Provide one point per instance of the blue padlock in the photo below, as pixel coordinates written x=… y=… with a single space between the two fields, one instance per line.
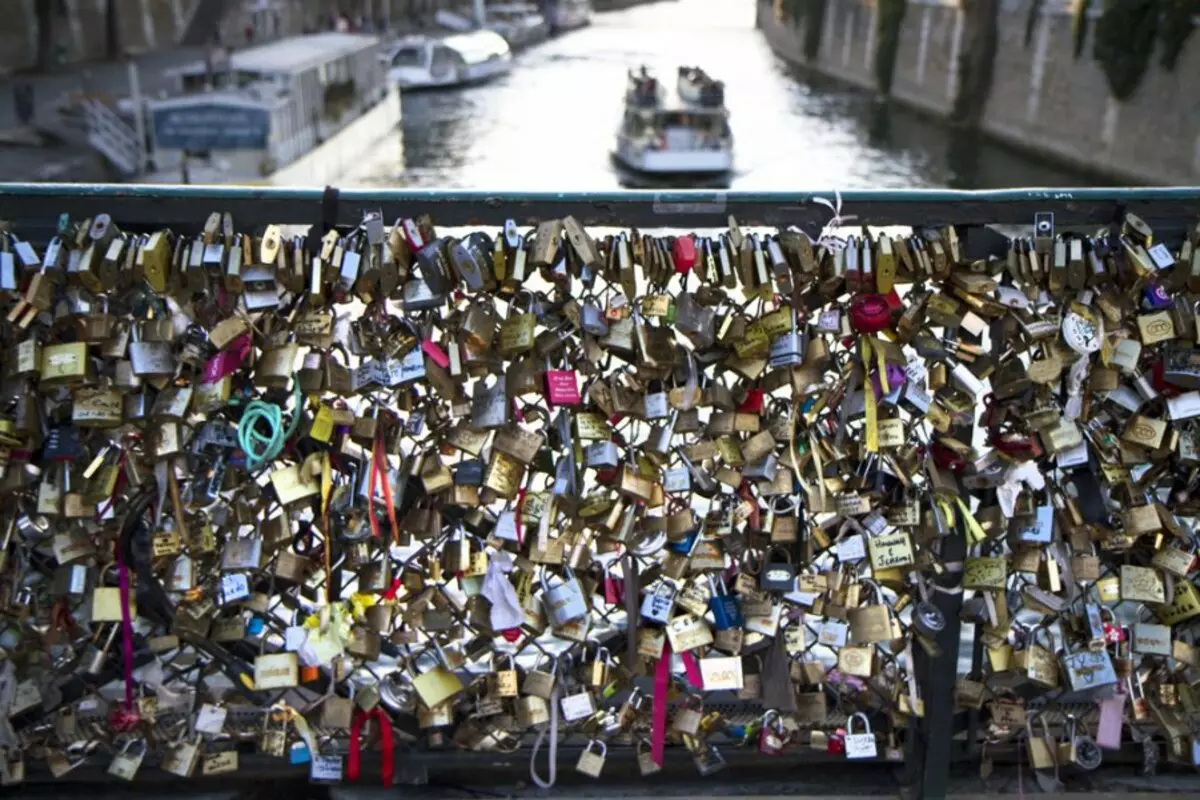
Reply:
x=299 y=753
x=255 y=626
x=684 y=546
x=726 y=610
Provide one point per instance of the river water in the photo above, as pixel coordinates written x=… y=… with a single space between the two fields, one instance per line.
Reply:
x=550 y=124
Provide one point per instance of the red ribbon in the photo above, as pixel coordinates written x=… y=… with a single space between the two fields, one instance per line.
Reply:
x=353 y=759
x=379 y=475
x=658 y=730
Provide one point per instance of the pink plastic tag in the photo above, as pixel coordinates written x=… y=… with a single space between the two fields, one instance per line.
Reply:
x=435 y=353
x=1112 y=714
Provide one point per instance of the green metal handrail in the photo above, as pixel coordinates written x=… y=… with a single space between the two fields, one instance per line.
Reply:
x=185 y=207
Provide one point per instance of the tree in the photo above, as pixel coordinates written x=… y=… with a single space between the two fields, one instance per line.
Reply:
x=44 y=13
x=112 y=31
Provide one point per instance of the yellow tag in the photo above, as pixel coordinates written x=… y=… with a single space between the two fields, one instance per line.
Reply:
x=322 y=426
x=869 y=403
x=975 y=532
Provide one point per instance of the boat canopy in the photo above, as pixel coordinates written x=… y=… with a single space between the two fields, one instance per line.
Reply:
x=477 y=46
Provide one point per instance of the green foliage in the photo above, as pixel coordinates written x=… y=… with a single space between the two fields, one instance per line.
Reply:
x=888 y=23
x=1031 y=21
x=814 y=19
x=1125 y=37
x=1079 y=25
x=1177 y=26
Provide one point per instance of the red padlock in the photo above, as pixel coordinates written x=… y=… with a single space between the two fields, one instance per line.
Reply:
x=837 y=743
x=770 y=738
x=753 y=404
x=683 y=253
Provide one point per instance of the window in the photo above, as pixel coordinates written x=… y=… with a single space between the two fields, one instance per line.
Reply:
x=408 y=57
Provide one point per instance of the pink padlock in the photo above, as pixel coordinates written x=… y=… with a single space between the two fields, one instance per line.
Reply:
x=228 y=360
x=436 y=354
x=562 y=387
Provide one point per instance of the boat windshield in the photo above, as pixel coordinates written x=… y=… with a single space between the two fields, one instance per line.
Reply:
x=408 y=57
x=679 y=130
x=477 y=47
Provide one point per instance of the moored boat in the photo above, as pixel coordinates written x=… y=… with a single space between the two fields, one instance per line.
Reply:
x=567 y=15
x=431 y=62
x=295 y=111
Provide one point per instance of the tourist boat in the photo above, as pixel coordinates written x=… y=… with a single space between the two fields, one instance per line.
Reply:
x=431 y=62
x=521 y=24
x=296 y=111
x=567 y=15
x=685 y=132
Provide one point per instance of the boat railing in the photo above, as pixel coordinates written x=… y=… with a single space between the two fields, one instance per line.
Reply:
x=113 y=138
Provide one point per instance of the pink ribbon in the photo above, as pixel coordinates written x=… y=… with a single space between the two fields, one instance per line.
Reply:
x=126 y=627
x=658 y=730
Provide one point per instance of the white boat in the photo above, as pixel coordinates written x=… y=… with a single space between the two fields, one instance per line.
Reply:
x=424 y=62
x=521 y=24
x=673 y=133
x=567 y=15
x=295 y=111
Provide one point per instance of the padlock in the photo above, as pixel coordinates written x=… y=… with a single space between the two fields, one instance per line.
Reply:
x=564 y=601
x=860 y=745
x=658 y=605
x=726 y=609
x=778 y=575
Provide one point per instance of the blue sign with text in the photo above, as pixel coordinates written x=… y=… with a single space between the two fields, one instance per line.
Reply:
x=211 y=127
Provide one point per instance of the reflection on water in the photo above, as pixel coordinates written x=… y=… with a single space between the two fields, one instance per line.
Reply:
x=551 y=123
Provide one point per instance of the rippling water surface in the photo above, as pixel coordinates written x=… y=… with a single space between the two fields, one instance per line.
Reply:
x=550 y=123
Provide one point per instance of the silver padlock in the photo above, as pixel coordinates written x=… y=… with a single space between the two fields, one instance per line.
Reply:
x=658 y=605
x=600 y=455
x=788 y=348
x=564 y=602
x=592 y=319
x=150 y=359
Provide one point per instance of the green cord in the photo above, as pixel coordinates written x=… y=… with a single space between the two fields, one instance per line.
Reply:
x=261 y=449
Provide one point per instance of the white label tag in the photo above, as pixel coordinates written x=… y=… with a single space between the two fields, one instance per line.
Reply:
x=919 y=398
x=1125 y=397
x=1185 y=406
x=295 y=637
x=210 y=719
x=234 y=588
x=577 y=707
x=325 y=768
x=860 y=745
x=833 y=633
x=722 y=673
x=677 y=479
x=851 y=548
x=1073 y=456
x=1161 y=256
x=830 y=321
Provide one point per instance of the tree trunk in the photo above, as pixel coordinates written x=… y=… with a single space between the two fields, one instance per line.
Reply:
x=44 y=11
x=112 y=31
